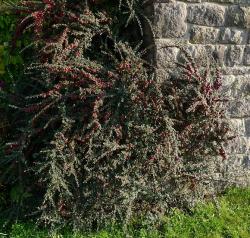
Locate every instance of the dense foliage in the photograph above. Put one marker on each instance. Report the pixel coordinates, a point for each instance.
(12, 59)
(98, 138)
(11, 66)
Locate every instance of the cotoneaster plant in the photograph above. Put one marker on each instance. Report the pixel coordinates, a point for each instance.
(100, 138)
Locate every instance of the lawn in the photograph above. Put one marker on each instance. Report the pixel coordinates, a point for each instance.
(229, 218)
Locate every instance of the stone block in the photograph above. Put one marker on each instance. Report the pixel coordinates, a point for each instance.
(238, 86)
(204, 35)
(247, 12)
(170, 20)
(219, 54)
(227, 81)
(239, 108)
(239, 70)
(238, 16)
(246, 60)
(247, 127)
(206, 14)
(207, 54)
(166, 57)
(232, 36)
(238, 126)
(246, 162)
(234, 55)
(234, 162)
(239, 145)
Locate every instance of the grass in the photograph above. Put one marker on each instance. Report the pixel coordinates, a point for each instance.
(230, 218)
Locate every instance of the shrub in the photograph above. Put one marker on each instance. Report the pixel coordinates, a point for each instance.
(101, 139)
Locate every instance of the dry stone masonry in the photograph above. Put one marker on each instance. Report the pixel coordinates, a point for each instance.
(218, 30)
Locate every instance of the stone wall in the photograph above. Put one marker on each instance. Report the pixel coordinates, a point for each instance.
(219, 29)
